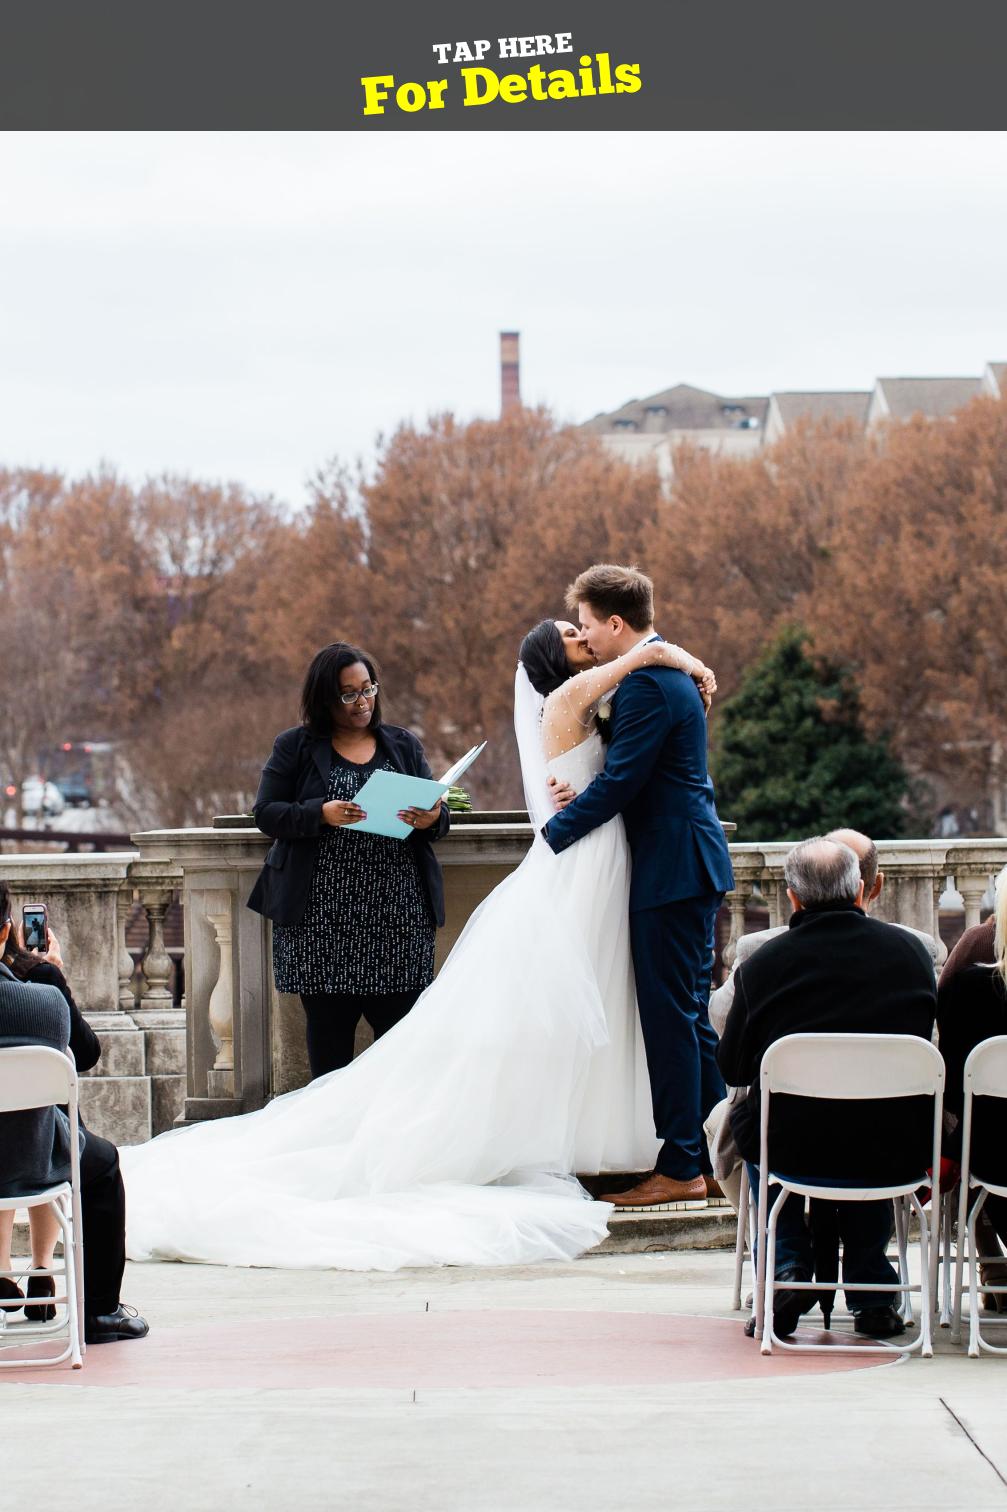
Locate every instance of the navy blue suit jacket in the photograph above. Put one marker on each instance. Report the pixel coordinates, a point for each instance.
(655, 776)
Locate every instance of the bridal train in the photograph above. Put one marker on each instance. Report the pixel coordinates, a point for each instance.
(452, 1139)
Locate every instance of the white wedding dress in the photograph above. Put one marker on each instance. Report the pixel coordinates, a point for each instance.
(451, 1140)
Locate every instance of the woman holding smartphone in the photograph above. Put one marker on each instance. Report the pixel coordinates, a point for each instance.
(40, 966)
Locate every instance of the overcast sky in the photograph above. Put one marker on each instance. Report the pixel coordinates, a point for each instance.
(245, 306)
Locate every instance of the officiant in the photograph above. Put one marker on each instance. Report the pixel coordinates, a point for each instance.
(354, 914)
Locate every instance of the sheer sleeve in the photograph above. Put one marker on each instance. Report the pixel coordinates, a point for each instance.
(564, 720)
(569, 710)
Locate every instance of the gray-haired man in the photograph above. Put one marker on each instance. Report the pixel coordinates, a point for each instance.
(717, 1127)
(834, 971)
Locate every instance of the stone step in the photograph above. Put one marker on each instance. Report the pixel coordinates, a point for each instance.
(675, 1226)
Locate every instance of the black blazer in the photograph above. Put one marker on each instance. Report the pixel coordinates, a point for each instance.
(288, 807)
(834, 972)
(972, 1007)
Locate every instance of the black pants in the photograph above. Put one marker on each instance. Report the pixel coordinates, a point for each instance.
(865, 1229)
(103, 1208)
(332, 1019)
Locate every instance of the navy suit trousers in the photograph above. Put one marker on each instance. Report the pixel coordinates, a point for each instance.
(673, 962)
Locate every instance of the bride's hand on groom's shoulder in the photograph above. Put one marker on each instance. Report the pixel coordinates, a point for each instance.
(561, 793)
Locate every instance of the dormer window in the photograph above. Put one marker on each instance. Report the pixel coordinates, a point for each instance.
(625, 425)
(660, 411)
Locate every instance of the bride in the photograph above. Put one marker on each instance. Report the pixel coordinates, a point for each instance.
(454, 1138)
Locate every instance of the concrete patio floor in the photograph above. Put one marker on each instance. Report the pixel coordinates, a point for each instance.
(619, 1381)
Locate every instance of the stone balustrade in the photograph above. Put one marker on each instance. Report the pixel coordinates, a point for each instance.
(138, 1086)
(922, 877)
(236, 1042)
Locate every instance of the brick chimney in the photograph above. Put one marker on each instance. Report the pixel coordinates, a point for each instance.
(510, 371)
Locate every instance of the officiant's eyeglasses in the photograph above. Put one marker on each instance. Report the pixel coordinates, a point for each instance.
(351, 698)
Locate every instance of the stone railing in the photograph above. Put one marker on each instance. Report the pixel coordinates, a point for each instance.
(236, 1041)
(138, 1086)
(921, 878)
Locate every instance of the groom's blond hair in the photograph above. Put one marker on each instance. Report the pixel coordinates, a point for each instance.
(625, 591)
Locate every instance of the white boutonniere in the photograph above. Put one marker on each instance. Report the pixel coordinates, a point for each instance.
(604, 713)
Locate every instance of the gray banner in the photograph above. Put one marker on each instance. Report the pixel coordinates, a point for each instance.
(705, 64)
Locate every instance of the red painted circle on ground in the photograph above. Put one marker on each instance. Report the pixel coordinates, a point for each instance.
(440, 1349)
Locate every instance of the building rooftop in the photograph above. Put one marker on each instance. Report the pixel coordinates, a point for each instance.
(930, 397)
(822, 405)
(684, 407)
(999, 372)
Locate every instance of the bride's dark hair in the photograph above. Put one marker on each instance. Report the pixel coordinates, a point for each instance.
(544, 658)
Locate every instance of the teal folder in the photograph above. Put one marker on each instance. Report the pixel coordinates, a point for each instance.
(385, 793)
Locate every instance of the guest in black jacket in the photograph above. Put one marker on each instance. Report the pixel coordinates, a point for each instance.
(972, 1007)
(835, 971)
(354, 915)
(43, 970)
(27, 1016)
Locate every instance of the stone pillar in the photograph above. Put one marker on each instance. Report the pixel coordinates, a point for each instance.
(155, 992)
(974, 864)
(749, 864)
(229, 999)
(220, 1010)
(779, 904)
(939, 888)
(914, 878)
(83, 893)
(161, 1023)
(973, 890)
(123, 909)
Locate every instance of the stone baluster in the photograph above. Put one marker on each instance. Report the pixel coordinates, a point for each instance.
(220, 1009)
(736, 902)
(748, 868)
(939, 888)
(779, 904)
(972, 890)
(156, 992)
(123, 908)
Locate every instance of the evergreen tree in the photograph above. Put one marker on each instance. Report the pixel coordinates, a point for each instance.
(793, 758)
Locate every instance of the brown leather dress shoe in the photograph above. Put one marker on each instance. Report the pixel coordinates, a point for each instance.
(658, 1190)
(713, 1187)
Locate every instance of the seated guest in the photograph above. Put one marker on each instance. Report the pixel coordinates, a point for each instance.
(972, 1007)
(833, 971)
(35, 1153)
(723, 1151)
(85, 1051)
(975, 944)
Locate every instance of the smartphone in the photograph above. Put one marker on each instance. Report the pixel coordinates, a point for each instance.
(35, 922)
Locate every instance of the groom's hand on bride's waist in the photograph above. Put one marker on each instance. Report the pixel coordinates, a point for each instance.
(561, 793)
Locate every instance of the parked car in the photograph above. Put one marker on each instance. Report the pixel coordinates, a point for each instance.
(39, 797)
(76, 789)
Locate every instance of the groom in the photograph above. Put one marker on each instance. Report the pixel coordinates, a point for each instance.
(655, 776)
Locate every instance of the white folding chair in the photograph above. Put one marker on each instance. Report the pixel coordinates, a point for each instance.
(34, 1076)
(744, 1237)
(985, 1076)
(847, 1067)
(947, 1214)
